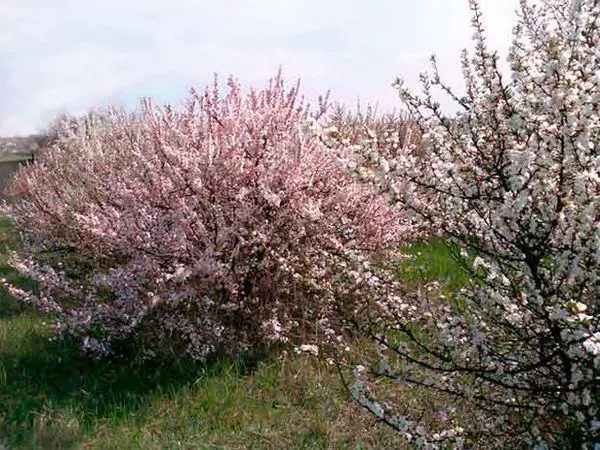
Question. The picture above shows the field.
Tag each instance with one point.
(52, 398)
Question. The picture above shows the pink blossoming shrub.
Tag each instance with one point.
(225, 225)
(513, 179)
(368, 141)
(389, 133)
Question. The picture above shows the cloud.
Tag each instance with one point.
(69, 55)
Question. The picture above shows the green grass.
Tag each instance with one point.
(432, 261)
(52, 398)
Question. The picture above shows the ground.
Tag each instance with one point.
(51, 398)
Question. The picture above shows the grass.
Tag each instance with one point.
(51, 398)
(432, 261)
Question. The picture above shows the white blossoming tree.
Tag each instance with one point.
(512, 180)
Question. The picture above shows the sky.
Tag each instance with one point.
(66, 56)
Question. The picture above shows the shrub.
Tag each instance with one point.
(513, 179)
(221, 226)
(390, 133)
(51, 133)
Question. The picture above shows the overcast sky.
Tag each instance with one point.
(69, 55)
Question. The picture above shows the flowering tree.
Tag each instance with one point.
(223, 226)
(513, 180)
